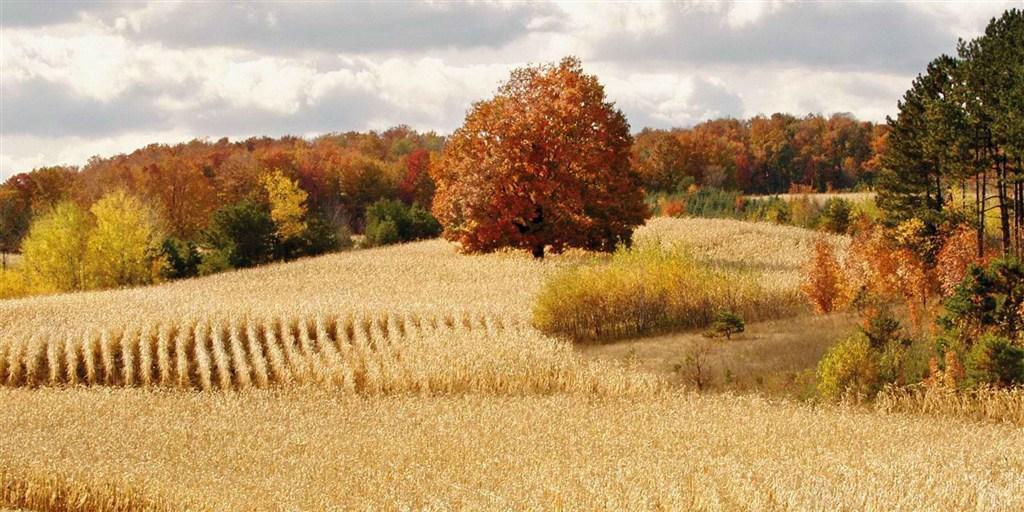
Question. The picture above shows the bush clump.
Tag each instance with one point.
(995, 361)
(389, 221)
(849, 367)
(650, 289)
(836, 215)
(726, 324)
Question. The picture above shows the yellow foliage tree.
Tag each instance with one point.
(54, 250)
(122, 249)
(287, 204)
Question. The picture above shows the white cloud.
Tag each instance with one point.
(107, 78)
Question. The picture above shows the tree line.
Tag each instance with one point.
(342, 174)
(763, 154)
(338, 175)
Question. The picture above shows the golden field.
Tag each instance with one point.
(409, 378)
(306, 450)
(295, 322)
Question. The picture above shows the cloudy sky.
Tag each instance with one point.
(99, 78)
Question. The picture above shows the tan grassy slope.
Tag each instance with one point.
(298, 450)
(338, 319)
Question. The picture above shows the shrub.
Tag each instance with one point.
(772, 209)
(804, 212)
(994, 360)
(726, 324)
(823, 284)
(243, 233)
(214, 262)
(182, 258)
(391, 221)
(649, 289)
(712, 203)
(382, 232)
(851, 366)
(958, 253)
(673, 208)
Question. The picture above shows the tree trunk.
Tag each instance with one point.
(1004, 211)
(980, 186)
(538, 251)
(1019, 210)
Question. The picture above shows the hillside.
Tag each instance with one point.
(321, 319)
(409, 377)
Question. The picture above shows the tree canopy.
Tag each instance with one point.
(545, 163)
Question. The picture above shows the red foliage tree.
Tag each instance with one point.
(545, 163)
(416, 186)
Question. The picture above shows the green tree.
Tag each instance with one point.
(726, 324)
(994, 360)
(182, 258)
(242, 233)
(911, 182)
(54, 250)
(391, 221)
(123, 249)
(988, 300)
(835, 215)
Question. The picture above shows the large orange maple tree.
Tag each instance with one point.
(542, 165)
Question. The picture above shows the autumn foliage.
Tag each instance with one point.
(958, 253)
(545, 163)
(824, 284)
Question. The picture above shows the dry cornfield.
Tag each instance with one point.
(295, 449)
(336, 320)
(360, 354)
(409, 378)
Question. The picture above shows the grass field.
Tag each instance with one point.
(409, 378)
(775, 357)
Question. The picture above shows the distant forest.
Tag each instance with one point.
(345, 173)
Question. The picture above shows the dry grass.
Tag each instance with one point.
(821, 198)
(985, 404)
(777, 253)
(294, 450)
(649, 289)
(777, 357)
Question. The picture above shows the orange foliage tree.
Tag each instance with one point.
(881, 266)
(959, 251)
(824, 279)
(545, 163)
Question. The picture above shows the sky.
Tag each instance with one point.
(79, 79)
